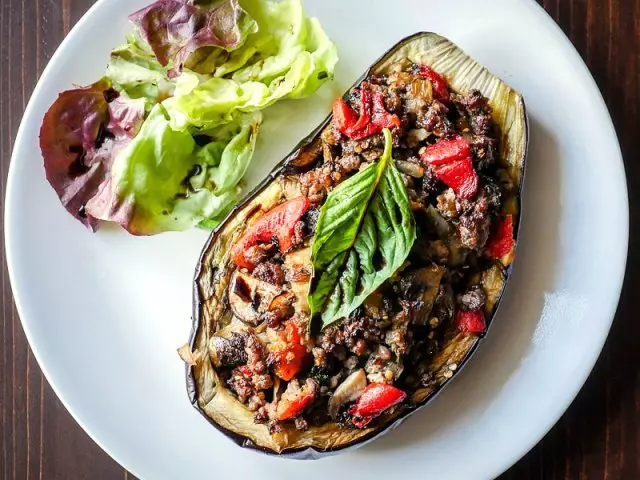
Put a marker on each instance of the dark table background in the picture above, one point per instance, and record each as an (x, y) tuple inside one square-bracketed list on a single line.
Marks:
[(598, 437)]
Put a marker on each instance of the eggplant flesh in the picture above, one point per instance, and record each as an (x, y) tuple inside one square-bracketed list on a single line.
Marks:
[(214, 317)]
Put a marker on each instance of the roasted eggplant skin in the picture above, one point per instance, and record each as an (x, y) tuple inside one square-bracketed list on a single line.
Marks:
[(509, 113)]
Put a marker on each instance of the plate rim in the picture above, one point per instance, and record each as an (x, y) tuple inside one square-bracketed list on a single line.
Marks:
[(500, 467)]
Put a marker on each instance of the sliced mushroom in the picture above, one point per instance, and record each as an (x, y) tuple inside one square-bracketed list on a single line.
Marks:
[(305, 158), (417, 136), (228, 352), (347, 391), (426, 282), (438, 222), (300, 290), (297, 265), (493, 281), (457, 252), (248, 297), (297, 268), (327, 153), (281, 309), (410, 168)]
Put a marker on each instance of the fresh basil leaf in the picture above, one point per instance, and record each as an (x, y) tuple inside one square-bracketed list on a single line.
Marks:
[(364, 234)]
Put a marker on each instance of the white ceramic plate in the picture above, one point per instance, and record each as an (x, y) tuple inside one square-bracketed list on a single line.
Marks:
[(104, 313)]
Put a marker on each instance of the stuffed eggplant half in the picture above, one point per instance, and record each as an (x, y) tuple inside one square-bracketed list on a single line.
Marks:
[(356, 281)]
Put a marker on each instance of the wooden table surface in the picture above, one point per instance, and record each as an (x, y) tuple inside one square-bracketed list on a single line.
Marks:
[(598, 437)]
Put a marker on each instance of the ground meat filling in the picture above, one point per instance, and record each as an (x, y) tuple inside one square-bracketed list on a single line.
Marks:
[(284, 374), (270, 272)]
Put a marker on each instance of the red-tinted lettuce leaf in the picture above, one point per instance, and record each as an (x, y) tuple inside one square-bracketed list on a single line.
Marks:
[(176, 28), (125, 117), (79, 138), (165, 25)]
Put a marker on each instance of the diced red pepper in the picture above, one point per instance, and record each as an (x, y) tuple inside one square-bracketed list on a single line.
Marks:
[(288, 409), (445, 151), (373, 116), (245, 370), (376, 399), (501, 242), (344, 118), (440, 87), (366, 104), (279, 223), (381, 117), (369, 130), (471, 321), (452, 164), (291, 332), (291, 359), (459, 175)]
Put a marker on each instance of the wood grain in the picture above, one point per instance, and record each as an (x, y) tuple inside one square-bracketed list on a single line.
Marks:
[(598, 437)]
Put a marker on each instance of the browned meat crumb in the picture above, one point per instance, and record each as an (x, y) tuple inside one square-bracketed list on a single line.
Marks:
[(301, 424), (485, 151), (475, 221), (360, 347), (256, 401), (472, 299), (359, 146), (316, 184), (435, 120), (249, 387), (448, 205), (474, 230), (256, 353), (262, 382), (229, 352), (392, 100), (361, 327), (319, 357), (372, 155), (331, 136), (299, 232), (349, 163), (477, 110), (275, 427), (330, 338), (259, 253), (241, 385), (270, 272)]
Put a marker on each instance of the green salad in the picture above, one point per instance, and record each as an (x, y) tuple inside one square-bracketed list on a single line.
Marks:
[(163, 140)]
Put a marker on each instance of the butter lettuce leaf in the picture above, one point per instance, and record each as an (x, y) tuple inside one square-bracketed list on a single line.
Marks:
[(289, 57), (163, 181), (134, 70), (163, 141)]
